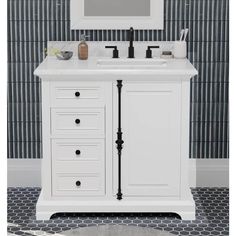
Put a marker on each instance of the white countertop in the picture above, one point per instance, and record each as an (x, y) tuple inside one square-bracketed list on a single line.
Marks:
[(54, 69)]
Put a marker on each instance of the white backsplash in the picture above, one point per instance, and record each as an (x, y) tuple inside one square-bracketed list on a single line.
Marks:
[(97, 49)]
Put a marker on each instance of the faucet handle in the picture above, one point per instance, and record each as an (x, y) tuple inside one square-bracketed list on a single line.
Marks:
[(115, 51), (149, 51)]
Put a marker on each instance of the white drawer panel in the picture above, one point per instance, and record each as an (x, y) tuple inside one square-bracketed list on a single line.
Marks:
[(76, 93), (78, 185), (80, 122), (78, 167), (78, 150)]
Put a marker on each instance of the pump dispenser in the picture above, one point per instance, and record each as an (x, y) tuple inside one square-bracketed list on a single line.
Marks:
[(83, 48)]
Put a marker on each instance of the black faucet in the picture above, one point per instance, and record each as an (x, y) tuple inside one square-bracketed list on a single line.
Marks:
[(131, 43)]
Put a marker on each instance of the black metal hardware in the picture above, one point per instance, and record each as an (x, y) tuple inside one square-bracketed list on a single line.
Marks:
[(77, 94), (78, 183), (131, 41), (119, 140), (77, 152), (149, 51), (115, 51), (77, 121)]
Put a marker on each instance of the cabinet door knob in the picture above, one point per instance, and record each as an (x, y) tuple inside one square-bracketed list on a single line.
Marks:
[(78, 183), (77, 94), (77, 121), (77, 152)]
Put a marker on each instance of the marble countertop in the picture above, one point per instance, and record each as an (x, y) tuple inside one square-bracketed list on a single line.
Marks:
[(54, 69)]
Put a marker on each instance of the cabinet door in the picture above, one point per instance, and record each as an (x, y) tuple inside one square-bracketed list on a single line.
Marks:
[(151, 115)]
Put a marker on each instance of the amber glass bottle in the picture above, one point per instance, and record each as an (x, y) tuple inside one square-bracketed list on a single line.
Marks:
[(83, 48)]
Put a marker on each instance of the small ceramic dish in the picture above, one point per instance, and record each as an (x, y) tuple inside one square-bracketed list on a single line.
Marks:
[(166, 55), (64, 55)]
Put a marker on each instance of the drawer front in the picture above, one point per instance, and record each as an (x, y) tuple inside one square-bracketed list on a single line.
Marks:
[(81, 167), (76, 93), (78, 185), (77, 150), (78, 122)]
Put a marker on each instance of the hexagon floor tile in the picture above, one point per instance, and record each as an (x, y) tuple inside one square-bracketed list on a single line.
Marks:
[(212, 216), (115, 230)]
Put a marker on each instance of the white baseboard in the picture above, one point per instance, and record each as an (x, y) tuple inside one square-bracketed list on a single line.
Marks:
[(209, 172), (23, 173), (202, 172)]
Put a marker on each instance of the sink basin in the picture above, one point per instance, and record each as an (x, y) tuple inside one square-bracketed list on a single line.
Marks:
[(132, 63)]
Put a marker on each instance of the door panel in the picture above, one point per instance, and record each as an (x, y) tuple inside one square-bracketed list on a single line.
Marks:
[(151, 134)]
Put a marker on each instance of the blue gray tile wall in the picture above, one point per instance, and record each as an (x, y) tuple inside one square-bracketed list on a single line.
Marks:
[(31, 23)]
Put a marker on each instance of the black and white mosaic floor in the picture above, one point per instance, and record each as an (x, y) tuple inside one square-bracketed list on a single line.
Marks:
[(212, 216)]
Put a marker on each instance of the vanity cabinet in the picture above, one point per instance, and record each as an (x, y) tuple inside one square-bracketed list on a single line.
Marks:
[(81, 168), (115, 140)]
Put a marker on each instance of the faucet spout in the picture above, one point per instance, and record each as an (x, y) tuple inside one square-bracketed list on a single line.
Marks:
[(131, 43)]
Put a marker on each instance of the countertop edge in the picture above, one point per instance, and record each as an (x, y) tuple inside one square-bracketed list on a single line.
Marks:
[(42, 73)]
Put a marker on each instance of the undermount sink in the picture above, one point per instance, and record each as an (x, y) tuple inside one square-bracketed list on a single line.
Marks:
[(132, 63)]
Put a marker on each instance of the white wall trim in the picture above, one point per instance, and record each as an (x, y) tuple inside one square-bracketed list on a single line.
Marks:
[(202, 172), (209, 172), (23, 173)]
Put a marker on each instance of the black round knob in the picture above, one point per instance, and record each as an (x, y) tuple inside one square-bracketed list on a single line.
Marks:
[(77, 152), (77, 121), (77, 94), (78, 183)]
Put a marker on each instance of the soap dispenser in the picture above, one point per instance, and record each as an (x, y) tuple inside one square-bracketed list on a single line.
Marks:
[(83, 48)]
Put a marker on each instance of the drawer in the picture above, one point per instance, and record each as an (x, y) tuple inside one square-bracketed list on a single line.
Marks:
[(77, 150), (76, 93), (78, 122), (81, 167), (78, 185)]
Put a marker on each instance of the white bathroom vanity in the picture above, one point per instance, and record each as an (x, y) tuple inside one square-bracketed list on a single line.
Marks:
[(115, 134)]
